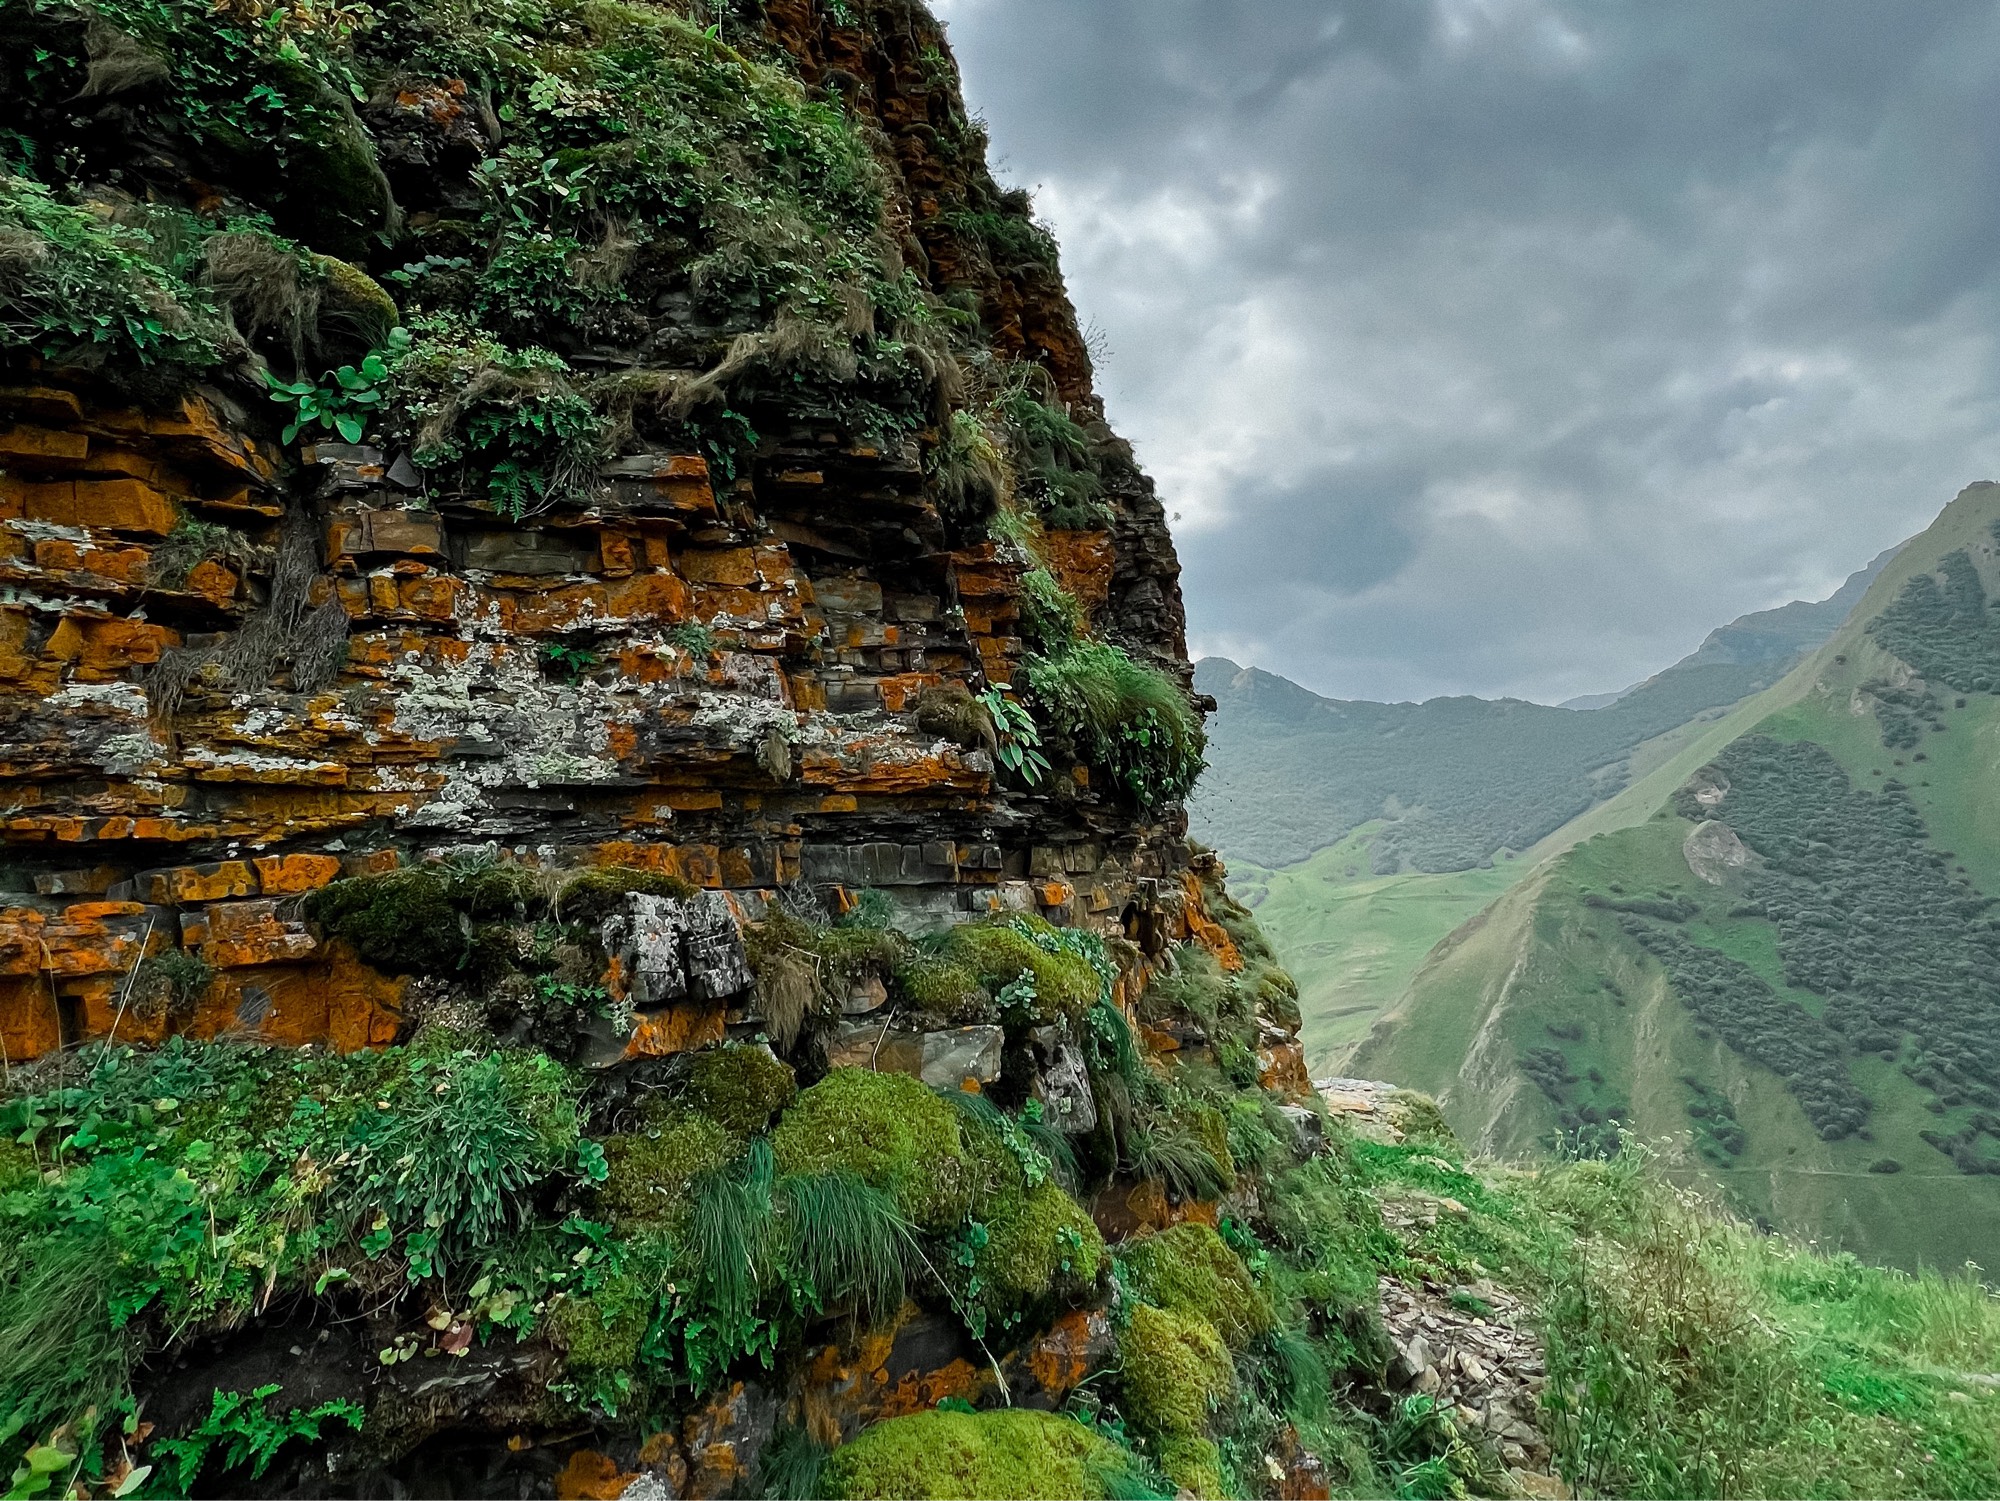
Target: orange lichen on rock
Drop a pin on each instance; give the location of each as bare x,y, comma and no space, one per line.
1205,930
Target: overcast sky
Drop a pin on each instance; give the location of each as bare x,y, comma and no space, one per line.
1508,346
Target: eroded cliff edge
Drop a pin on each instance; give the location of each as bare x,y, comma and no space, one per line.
595,734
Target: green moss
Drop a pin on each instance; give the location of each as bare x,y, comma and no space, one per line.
1188,1269
997,954
651,1170
1194,1465
1417,1116
602,1330
18,1168
1013,1454
408,921
1211,1128
740,1087
397,921
1048,1247
889,1131
949,710
354,302
594,895
998,1185
942,988
1176,1371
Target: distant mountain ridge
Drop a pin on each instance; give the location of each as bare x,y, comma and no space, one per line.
1765,636
1458,779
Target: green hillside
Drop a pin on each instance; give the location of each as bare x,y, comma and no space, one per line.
1446,785
1779,951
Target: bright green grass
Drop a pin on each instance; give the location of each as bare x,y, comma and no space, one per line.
1352,939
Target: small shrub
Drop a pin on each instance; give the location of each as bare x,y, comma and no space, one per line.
169,983
450,1163
80,289
190,544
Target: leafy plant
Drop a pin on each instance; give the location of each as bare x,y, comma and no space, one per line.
1018,739
571,661
447,1166
342,401
694,639
77,288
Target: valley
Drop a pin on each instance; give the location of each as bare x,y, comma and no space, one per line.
1766,958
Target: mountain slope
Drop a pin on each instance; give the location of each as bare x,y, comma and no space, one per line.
1775,952
1454,780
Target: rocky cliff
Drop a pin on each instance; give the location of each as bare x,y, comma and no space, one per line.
661,533
595,729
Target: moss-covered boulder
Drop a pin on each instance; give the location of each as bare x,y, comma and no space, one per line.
1046,1248
650,1170
1008,1455
999,954
740,1087
593,895
1189,1269
1176,1371
942,989
601,1331
422,920
890,1131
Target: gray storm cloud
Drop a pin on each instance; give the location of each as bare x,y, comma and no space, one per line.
1507,346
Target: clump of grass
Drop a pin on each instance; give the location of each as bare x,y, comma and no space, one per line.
1170,1149
806,969
1124,718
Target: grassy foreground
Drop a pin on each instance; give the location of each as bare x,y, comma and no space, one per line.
1690,1355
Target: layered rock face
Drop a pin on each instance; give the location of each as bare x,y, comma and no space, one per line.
594,889
236,669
